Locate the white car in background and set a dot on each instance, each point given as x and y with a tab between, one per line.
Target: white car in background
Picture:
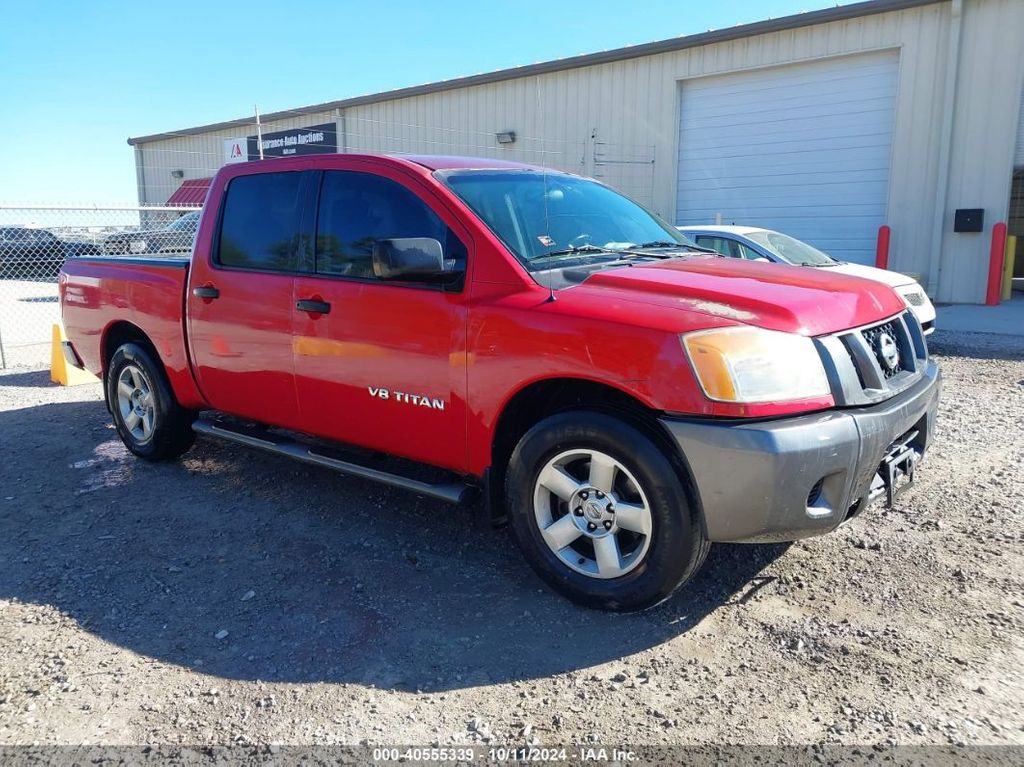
754	243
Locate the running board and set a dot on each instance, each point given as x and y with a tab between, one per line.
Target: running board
453	492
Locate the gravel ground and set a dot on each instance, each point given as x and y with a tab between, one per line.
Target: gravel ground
237	598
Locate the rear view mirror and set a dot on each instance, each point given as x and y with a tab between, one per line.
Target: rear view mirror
408	257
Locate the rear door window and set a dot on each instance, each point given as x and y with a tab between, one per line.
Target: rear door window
261	222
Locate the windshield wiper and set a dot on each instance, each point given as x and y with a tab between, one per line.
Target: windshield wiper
571	251
660	244
677	245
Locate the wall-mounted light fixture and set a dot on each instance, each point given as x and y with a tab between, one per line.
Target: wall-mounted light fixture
178	173
506	137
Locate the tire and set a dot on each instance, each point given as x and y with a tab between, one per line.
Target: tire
653	554
149	419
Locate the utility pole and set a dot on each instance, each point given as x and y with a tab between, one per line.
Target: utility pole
259	130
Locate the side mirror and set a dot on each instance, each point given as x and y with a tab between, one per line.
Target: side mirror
762	258
408	257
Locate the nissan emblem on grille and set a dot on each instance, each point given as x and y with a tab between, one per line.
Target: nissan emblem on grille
888	351
882	339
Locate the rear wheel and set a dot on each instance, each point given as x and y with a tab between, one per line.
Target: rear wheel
600	512
148	418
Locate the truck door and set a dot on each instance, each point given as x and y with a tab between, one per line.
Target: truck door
240	298
382	364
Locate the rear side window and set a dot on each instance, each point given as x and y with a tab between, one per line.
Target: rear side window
719	244
357	209
260	224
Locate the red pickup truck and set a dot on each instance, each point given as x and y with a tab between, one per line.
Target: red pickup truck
620	396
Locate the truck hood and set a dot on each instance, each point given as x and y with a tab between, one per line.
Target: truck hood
811	302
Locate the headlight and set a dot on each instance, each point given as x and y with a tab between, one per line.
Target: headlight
743	364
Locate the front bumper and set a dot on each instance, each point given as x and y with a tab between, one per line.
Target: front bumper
792	478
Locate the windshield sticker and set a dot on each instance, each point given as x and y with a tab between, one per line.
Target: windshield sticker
546	241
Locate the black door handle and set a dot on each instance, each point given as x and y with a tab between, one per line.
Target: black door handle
313	306
206	291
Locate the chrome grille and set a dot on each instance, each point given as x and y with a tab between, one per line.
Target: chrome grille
870	364
883	342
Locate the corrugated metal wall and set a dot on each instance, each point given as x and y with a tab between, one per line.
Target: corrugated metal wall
629	110
988	87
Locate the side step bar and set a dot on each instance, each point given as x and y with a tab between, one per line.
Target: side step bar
453	492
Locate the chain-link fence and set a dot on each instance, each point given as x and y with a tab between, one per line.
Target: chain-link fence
36	240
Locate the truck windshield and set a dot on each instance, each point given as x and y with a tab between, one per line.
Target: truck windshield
543	217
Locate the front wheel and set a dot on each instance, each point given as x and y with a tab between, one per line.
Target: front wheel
600	512
148	418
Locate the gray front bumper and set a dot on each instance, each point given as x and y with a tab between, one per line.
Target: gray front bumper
754	479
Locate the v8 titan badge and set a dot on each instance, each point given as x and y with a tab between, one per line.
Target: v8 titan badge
420	400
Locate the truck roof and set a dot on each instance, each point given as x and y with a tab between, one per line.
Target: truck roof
453	162
429	163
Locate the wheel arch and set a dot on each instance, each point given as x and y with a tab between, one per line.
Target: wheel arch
545	397
116	335
121	332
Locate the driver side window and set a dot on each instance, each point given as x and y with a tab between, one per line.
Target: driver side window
358	209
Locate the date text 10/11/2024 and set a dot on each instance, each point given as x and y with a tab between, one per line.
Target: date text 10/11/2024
501	754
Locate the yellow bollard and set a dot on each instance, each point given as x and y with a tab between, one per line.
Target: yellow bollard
1011	252
60	371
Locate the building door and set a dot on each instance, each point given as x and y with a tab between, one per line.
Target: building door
801	148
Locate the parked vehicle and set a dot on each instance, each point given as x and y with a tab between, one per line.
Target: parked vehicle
754	243
36	254
176	237
529	335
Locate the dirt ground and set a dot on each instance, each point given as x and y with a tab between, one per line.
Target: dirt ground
237	598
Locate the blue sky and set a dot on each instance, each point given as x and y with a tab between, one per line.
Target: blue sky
76	79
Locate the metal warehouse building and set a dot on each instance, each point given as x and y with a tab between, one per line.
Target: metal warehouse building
826	125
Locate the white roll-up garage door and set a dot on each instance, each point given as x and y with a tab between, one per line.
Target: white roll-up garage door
802	148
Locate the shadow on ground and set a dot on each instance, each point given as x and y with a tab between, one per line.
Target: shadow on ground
314	577
24	380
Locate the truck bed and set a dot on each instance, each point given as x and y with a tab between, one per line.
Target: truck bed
104	294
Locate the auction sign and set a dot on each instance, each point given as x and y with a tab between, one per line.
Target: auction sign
316	139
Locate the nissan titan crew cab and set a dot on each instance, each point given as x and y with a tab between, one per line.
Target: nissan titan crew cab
622	397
